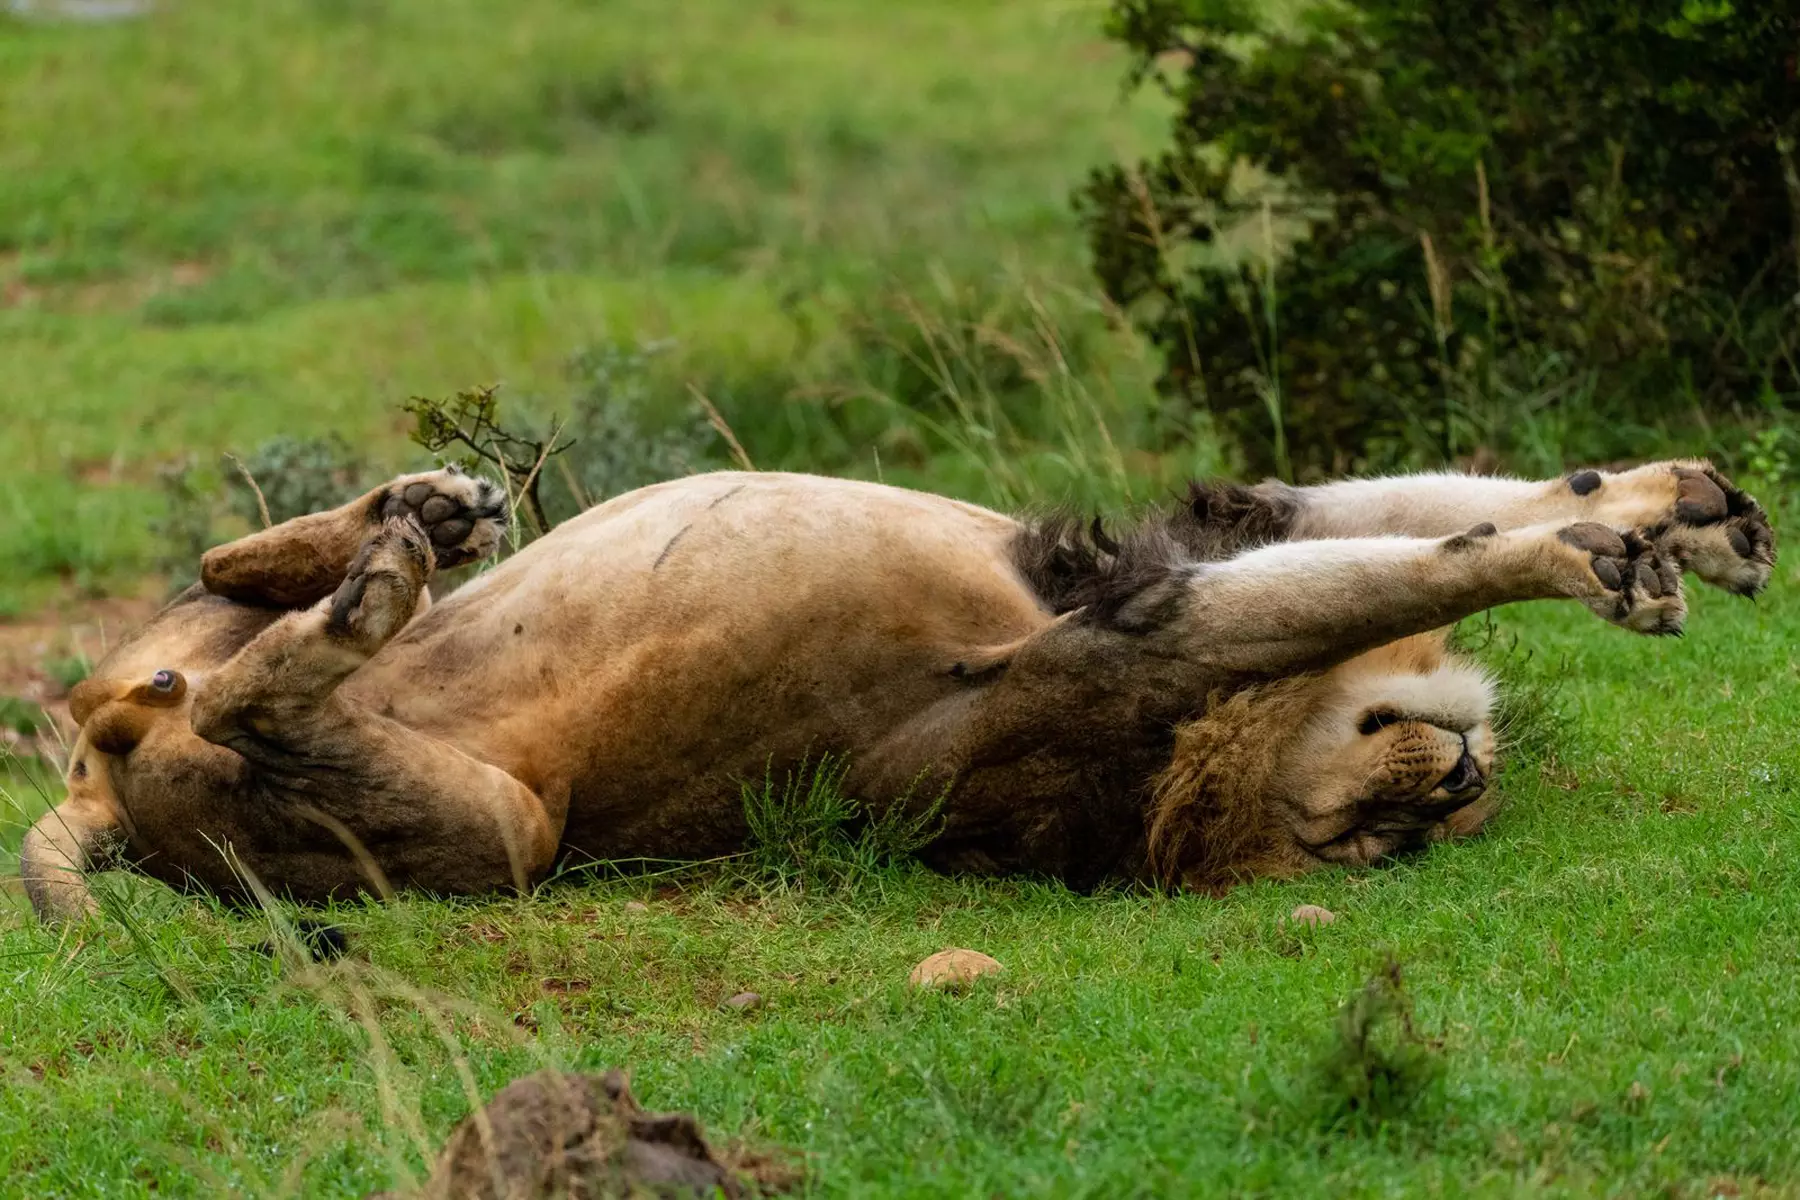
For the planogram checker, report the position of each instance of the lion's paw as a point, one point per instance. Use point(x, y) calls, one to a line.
point(1694, 514)
point(381, 590)
point(1718, 531)
point(1632, 583)
point(463, 515)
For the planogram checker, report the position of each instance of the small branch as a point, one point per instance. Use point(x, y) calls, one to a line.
point(262, 505)
point(529, 488)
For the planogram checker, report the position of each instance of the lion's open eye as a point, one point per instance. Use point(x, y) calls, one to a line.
point(164, 680)
point(1376, 720)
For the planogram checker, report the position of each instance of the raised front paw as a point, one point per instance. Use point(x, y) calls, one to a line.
point(1631, 582)
point(463, 515)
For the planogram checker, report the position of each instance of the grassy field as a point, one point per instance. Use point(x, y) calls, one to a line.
point(220, 226)
point(1607, 981)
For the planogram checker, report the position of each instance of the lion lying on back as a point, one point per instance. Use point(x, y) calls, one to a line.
point(1253, 682)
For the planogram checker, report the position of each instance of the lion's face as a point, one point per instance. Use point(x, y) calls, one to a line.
point(1392, 762)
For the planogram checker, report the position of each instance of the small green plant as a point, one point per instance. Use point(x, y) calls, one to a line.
point(1768, 456)
point(1528, 715)
point(183, 531)
point(20, 716)
point(618, 444)
point(797, 826)
point(1376, 1066)
point(806, 831)
point(67, 671)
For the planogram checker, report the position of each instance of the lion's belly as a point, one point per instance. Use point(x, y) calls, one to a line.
point(643, 659)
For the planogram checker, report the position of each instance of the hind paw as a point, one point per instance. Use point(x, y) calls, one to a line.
point(463, 516)
point(381, 591)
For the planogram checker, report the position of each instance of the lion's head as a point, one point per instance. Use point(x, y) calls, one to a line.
point(1373, 760)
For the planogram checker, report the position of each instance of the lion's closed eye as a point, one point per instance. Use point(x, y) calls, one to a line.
point(1377, 719)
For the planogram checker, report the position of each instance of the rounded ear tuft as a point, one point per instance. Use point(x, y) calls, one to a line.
point(116, 728)
point(87, 696)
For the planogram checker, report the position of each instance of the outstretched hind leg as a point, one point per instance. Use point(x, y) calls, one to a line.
point(387, 805)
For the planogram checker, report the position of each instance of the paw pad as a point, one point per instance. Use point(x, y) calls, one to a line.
point(1584, 483)
point(1719, 532)
point(461, 514)
point(1698, 499)
point(1641, 587)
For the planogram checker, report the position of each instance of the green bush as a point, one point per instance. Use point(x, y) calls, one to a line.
point(1404, 229)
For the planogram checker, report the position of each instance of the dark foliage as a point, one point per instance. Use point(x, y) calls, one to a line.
point(1502, 210)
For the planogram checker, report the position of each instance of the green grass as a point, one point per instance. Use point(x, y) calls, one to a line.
point(221, 225)
point(224, 226)
point(1610, 972)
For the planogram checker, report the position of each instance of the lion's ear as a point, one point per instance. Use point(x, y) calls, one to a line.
point(115, 716)
point(89, 695)
point(117, 727)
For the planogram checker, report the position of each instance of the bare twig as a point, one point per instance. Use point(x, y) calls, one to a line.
point(262, 505)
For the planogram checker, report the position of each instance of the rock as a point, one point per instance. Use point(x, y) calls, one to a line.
point(563, 1135)
point(744, 1001)
point(1312, 914)
point(953, 969)
point(636, 906)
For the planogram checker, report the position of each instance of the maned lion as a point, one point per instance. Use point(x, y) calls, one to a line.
point(1253, 682)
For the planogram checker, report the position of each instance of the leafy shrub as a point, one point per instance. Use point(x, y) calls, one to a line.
point(620, 444)
point(184, 527)
point(20, 717)
point(1398, 229)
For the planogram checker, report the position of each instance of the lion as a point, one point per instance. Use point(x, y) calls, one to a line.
point(1250, 681)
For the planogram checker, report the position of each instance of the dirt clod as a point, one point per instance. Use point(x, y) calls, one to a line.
point(578, 1136)
point(953, 969)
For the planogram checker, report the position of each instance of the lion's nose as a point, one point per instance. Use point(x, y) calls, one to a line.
point(1464, 777)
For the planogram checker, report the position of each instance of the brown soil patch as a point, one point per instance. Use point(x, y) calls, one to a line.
point(121, 293)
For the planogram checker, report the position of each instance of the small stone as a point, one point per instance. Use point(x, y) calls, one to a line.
point(636, 906)
point(744, 1001)
point(953, 969)
point(1312, 914)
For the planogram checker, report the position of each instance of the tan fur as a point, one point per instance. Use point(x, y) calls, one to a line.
point(606, 692)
